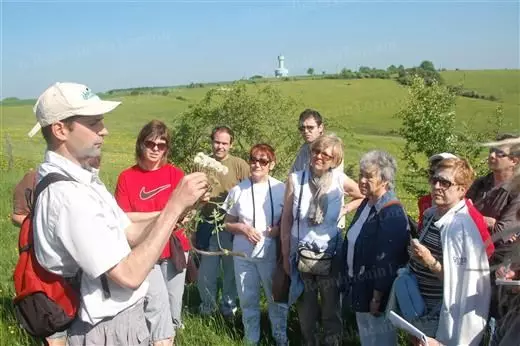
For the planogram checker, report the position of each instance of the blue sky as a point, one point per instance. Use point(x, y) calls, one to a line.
point(123, 44)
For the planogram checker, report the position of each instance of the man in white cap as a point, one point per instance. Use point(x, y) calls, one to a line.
point(79, 226)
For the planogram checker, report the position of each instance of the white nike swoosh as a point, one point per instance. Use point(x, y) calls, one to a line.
point(144, 195)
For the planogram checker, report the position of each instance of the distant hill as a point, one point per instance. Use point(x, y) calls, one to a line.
point(366, 105)
point(8, 101)
point(503, 85)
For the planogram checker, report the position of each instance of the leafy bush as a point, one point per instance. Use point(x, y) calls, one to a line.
point(460, 91)
point(428, 127)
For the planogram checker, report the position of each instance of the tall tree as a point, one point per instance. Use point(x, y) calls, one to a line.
point(427, 65)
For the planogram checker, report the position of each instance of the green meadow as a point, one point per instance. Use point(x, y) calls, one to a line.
point(366, 106)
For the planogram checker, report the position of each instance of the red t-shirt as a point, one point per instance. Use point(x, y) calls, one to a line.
point(138, 190)
point(425, 202)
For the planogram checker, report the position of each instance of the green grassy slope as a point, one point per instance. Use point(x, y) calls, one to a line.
point(367, 106)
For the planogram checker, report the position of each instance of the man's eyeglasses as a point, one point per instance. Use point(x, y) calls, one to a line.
point(308, 128)
point(261, 161)
point(443, 182)
point(498, 152)
point(151, 145)
point(324, 155)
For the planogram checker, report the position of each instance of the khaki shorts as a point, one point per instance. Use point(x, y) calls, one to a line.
point(126, 328)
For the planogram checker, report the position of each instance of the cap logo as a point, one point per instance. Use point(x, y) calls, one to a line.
point(87, 94)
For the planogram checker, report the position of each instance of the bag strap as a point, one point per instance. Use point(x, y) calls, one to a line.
point(31, 196)
point(300, 203)
point(392, 202)
point(42, 185)
point(397, 202)
point(425, 228)
point(272, 202)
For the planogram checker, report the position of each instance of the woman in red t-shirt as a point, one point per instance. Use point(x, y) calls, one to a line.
point(142, 192)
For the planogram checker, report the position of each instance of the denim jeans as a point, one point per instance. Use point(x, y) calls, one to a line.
point(249, 275)
point(209, 272)
point(375, 331)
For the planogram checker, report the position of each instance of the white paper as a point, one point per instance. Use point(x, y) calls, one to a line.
point(505, 282)
point(403, 324)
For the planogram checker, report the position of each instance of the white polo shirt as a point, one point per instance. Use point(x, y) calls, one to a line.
point(79, 224)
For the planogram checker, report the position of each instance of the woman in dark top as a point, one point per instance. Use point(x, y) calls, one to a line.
point(374, 248)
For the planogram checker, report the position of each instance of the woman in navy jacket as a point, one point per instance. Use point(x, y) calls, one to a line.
point(374, 248)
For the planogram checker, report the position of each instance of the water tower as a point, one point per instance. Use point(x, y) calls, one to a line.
point(281, 71)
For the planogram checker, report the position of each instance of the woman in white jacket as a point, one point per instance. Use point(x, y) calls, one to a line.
point(450, 262)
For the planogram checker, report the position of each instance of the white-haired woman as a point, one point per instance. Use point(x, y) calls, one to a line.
point(375, 246)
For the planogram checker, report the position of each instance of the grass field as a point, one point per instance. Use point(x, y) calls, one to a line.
point(500, 83)
point(366, 106)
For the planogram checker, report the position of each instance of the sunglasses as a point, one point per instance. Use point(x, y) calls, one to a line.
point(324, 155)
point(498, 153)
point(308, 128)
point(151, 145)
point(443, 182)
point(261, 161)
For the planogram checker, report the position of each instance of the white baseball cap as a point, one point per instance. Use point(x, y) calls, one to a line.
point(64, 100)
point(442, 156)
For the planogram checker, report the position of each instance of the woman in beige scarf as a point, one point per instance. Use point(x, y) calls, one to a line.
point(313, 205)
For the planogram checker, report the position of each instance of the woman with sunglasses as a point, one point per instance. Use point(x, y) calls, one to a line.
point(254, 208)
point(450, 263)
point(425, 202)
point(314, 203)
point(142, 192)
